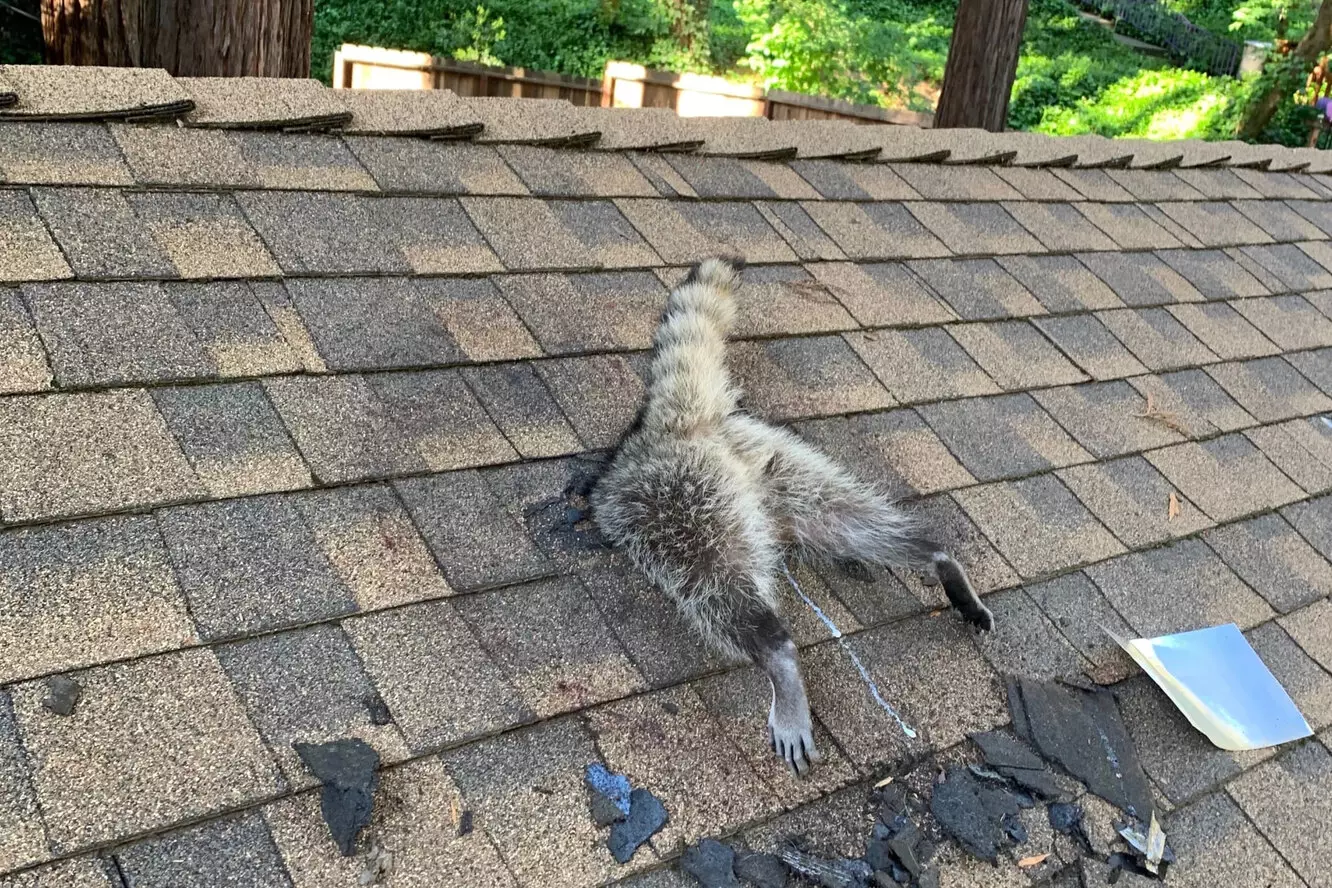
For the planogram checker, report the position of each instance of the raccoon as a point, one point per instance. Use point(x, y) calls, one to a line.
point(709, 501)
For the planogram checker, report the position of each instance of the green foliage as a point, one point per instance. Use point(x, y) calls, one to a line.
point(20, 33)
point(1072, 76)
point(569, 36)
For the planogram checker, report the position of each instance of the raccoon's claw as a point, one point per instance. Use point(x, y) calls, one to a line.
point(794, 744)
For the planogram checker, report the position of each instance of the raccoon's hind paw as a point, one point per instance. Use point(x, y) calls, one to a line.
point(792, 738)
point(960, 593)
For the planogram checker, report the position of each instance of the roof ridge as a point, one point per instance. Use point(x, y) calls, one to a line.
point(42, 92)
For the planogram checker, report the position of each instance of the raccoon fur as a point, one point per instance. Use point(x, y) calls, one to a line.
point(708, 501)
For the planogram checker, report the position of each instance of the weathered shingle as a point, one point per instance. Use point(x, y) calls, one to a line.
point(27, 252)
point(845, 181)
point(1133, 500)
point(1223, 329)
point(232, 438)
point(1289, 321)
point(1226, 477)
point(167, 155)
point(296, 161)
point(320, 232)
point(684, 233)
point(1215, 224)
point(1016, 355)
point(426, 167)
point(1141, 279)
point(571, 313)
point(1002, 437)
point(974, 228)
point(194, 715)
point(359, 427)
point(23, 364)
point(61, 154)
point(1087, 342)
point(234, 329)
point(1291, 266)
point(881, 293)
point(64, 455)
point(1156, 338)
point(531, 234)
point(1215, 274)
point(1270, 389)
point(921, 365)
point(1059, 226)
point(523, 408)
point(231, 849)
point(205, 235)
point(599, 394)
point(1128, 226)
point(977, 289)
point(1104, 418)
point(875, 230)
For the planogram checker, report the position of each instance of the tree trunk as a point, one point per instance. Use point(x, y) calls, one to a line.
point(189, 38)
point(982, 61)
point(1301, 59)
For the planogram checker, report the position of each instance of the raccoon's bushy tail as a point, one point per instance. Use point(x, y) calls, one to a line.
point(690, 390)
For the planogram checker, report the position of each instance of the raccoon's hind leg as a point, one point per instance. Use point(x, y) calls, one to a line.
point(760, 633)
point(829, 513)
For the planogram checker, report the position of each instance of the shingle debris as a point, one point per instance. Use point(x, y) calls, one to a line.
point(348, 771)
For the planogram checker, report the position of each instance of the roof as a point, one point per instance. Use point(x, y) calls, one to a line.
point(287, 422)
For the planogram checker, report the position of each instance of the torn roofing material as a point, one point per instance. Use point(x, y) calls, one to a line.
point(295, 429)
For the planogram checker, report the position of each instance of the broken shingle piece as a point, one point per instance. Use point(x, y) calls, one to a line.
point(62, 695)
point(347, 770)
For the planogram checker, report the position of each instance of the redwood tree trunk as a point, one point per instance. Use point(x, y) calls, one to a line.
point(982, 61)
point(1302, 59)
point(189, 38)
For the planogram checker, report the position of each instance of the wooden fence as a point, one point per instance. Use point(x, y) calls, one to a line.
point(623, 85)
point(1181, 38)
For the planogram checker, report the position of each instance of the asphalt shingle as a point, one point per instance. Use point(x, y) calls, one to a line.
point(1038, 525)
point(957, 695)
point(204, 235)
point(1224, 330)
point(114, 333)
point(420, 166)
point(1133, 499)
point(23, 367)
point(799, 230)
point(1279, 220)
point(530, 234)
point(1059, 226)
point(1192, 403)
point(1289, 321)
point(1091, 346)
point(706, 784)
point(894, 448)
point(1140, 279)
point(1216, 224)
point(808, 376)
point(1226, 477)
point(1002, 437)
point(87, 593)
point(875, 230)
point(1016, 355)
point(1302, 448)
point(55, 153)
point(1295, 269)
point(881, 294)
point(469, 532)
point(527, 788)
point(551, 642)
point(1128, 226)
point(314, 232)
point(20, 817)
point(1104, 418)
point(1177, 588)
point(173, 156)
point(854, 181)
point(977, 289)
point(1270, 389)
point(1215, 273)
point(1156, 338)
point(417, 824)
point(236, 849)
point(251, 565)
point(1311, 519)
point(232, 438)
point(233, 328)
point(1275, 560)
point(523, 408)
point(308, 686)
point(1079, 610)
point(65, 455)
point(921, 365)
point(1215, 844)
point(361, 427)
point(939, 182)
point(1311, 628)
point(100, 234)
point(363, 324)
point(975, 228)
point(139, 732)
point(1061, 283)
point(478, 319)
point(571, 313)
point(414, 656)
point(1283, 797)
point(599, 394)
point(302, 161)
point(730, 177)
